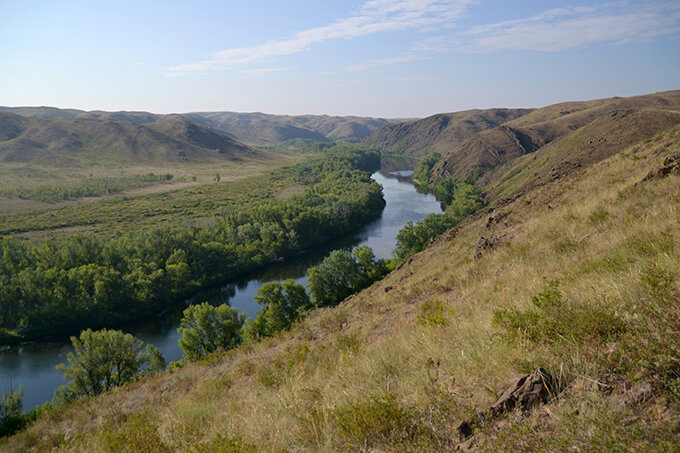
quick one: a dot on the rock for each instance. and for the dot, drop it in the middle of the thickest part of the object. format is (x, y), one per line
(671, 166)
(487, 243)
(525, 393)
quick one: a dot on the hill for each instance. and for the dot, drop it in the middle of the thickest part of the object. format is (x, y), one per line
(262, 128)
(70, 141)
(576, 278)
(555, 140)
(253, 128)
(440, 133)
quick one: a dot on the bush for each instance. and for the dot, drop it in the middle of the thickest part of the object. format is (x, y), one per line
(554, 319)
(379, 421)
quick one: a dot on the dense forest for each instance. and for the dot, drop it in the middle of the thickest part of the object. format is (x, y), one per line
(59, 286)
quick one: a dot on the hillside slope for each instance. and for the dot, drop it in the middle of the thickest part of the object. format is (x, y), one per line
(578, 275)
(254, 128)
(602, 127)
(68, 141)
(261, 128)
(440, 133)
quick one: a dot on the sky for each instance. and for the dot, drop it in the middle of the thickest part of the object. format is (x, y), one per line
(381, 58)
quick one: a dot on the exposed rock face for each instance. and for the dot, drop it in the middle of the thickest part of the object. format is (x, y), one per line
(525, 393)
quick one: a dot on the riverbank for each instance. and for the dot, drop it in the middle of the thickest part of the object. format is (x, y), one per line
(32, 365)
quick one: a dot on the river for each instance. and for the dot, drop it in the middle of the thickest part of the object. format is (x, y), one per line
(33, 365)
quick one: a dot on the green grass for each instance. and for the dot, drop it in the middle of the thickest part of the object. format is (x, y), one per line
(124, 212)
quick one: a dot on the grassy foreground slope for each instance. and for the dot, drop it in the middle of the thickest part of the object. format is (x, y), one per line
(579, 275)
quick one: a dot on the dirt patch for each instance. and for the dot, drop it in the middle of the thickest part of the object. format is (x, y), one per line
(295, 189)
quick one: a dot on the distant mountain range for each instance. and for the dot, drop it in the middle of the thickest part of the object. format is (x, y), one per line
(251, 128)
(66, 141)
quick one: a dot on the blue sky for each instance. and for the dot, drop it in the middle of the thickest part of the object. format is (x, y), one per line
(388, 58)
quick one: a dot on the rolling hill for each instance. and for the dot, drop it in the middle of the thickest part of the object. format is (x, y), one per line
(440, 133)
(65, 141)
(252, 128)
(555, 140)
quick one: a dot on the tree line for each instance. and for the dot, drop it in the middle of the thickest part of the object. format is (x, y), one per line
(105, 359)
(85, 281)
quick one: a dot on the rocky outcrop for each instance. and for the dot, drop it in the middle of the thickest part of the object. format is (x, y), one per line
(671, 166)
(526, 392)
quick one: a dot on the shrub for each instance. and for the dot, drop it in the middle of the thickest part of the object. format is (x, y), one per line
(379, 421)
(554, 319)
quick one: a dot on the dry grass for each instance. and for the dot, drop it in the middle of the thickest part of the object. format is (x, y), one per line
(399, 365)
(23, 176)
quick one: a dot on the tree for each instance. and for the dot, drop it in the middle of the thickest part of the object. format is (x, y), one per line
(11, 412)
(343, 273)
(283, 304)
(11, 404)
(105, 359)
(206, 328)
(421, 174)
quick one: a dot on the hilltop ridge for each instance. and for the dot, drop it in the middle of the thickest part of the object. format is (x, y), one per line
(252, 128)
(439, 133)
(66, 141)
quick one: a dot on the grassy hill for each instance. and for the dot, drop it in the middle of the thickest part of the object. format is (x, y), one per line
(577, 274)
(261, 128)
(252, 128)
(72, 141)
(554, 140)
(440, 133)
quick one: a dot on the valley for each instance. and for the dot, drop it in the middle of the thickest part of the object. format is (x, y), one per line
(557, 254)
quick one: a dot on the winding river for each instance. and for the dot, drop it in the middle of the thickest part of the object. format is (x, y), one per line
(33, 365)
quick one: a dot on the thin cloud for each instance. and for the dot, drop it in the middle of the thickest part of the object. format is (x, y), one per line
(259, 72)
(374, 16)
(382, 62)
(566, 28)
